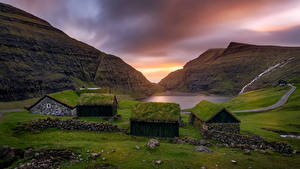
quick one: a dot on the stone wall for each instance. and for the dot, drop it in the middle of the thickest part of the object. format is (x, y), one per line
(224, 127)
(70, 124)
(246, 142)
(49, 106)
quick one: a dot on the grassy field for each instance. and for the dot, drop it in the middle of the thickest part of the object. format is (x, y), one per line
(257, 98)
(172, 155)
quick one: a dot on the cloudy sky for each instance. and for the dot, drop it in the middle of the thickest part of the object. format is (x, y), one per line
(160, 36)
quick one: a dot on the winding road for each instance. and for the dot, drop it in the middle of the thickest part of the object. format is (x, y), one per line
(281, 102)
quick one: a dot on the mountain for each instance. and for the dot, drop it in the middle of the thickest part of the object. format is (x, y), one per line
(37, 58)
(227, 71)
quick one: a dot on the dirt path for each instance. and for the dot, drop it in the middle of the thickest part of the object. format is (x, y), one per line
(10, 110)
(281, 102)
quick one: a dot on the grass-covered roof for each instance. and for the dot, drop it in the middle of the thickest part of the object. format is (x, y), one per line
(169, 112)
(205, 109)
(68, 97)
(90, 99)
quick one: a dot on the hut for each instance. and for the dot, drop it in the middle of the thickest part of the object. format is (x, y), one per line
(155, 119)
(209, 116)
(55, 106)
(95, 104)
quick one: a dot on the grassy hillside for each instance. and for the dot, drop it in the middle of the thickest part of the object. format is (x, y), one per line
(226, 71)
(256, 98)
(173, 155)
(37, 59)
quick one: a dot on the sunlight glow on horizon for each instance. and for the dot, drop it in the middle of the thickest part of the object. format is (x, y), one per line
(155, 74)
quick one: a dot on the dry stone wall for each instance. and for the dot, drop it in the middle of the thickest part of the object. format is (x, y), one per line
(70, 124)
(224, 127)
(246, 142)
(49, 106)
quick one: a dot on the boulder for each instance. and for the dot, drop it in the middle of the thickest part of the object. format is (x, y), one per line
(203, 149)
(152, 143)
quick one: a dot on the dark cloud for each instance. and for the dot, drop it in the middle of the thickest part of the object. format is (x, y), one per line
(172, 30)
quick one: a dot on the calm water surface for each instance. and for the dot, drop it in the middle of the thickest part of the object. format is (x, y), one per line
(187, 101)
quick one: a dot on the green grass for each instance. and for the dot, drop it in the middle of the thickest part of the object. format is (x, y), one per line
(95, 99)
(173, 155)
(285, 118)
(68, 97)
(156, 111)
(17, 104)
(256, 99)
(205, 109)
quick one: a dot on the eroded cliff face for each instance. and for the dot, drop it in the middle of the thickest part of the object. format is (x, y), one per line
(226, 71)
(36, 59)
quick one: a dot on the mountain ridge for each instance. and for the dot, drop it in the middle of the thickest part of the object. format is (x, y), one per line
(38, 59)
(226, 71)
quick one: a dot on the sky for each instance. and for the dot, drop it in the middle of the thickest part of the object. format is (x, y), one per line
(159, 36)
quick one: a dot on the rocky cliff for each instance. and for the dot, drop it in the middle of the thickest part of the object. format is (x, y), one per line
(36, 58)
(226, 71)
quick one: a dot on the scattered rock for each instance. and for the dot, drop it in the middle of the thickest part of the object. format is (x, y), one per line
(203, 149)
(203, 167)
(233, 162)
(295, 152)
(158, 162)
(137, 147)
(152, 143)
(203, 142)
(247, 151)
(103, 159)
(95, 155)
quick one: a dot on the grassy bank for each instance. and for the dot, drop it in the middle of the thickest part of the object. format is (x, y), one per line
(256, 99)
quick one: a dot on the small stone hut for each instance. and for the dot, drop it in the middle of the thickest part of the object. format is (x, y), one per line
(209, 116)
(97, 105)
(49, 105)
(155, 119)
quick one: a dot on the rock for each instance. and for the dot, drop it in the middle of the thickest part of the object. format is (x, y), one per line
(7, 156)
(137, 147)
(158, 162)
(294, 151)
(95, 155)
(203, 149)
(247, 151)
(152, 143)
(113, 150)
(233, 162)
(219, 145)
(203, 142)
(203, 167)
(103, 159)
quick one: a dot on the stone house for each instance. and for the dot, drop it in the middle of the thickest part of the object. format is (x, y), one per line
(97, 105)
(51, 106)
(155, 119)
(209, 116)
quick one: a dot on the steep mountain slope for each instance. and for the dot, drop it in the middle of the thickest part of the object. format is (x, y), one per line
(36, 58)
(226, 71)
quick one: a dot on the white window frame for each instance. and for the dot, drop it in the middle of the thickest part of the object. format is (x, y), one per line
(48, 105)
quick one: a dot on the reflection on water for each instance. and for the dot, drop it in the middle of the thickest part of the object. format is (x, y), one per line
(186, 101)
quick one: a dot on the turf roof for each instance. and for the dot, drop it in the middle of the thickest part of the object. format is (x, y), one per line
(90, 99)
(68, 97)
(205, 109)
(168, 112)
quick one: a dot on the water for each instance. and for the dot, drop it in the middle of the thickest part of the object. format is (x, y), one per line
(290, 135)
(187, 101)
(266, 71)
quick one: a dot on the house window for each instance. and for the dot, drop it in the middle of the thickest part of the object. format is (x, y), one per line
(48, 105)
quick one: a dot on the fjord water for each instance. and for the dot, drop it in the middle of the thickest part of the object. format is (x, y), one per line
(186, 101)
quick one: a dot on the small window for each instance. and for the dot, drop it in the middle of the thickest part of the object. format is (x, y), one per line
(48, 105)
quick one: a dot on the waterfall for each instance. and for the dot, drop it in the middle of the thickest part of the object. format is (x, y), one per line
(258, 76)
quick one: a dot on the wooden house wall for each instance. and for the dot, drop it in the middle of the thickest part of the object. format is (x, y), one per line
(98, 111)
(154, 129)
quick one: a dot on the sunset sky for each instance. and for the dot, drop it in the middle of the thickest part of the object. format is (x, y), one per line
(160, 36)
